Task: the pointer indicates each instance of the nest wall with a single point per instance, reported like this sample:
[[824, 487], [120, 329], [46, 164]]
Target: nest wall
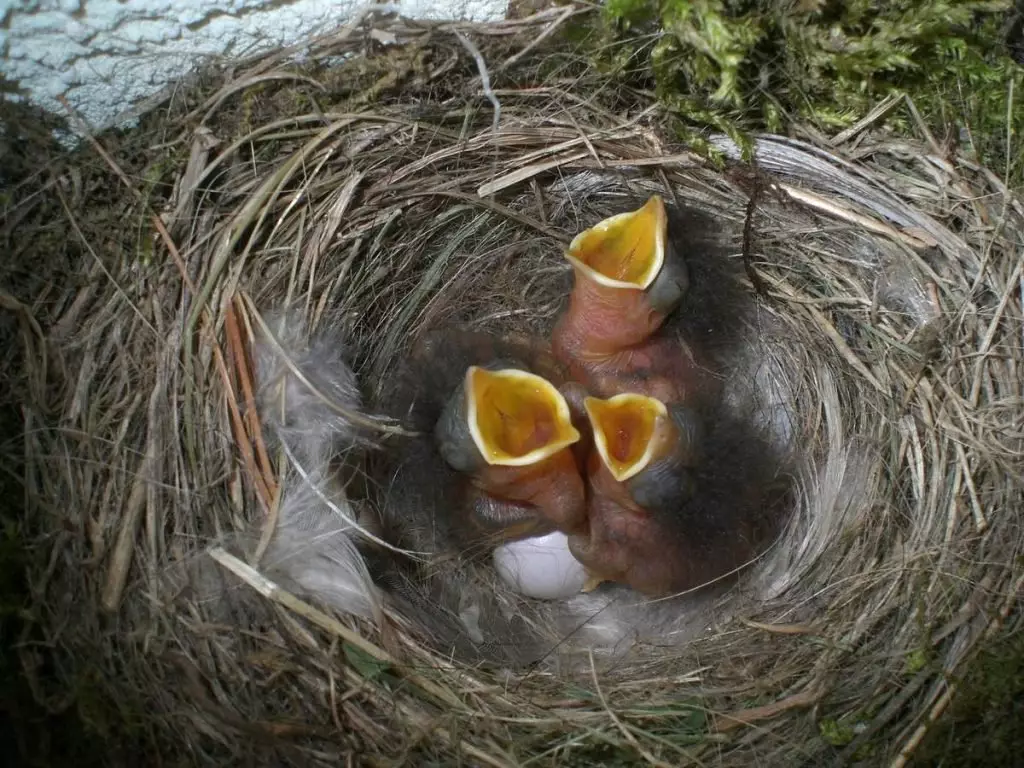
[[402, 176]]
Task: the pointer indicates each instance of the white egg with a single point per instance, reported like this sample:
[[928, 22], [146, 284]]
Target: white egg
[[541, 567]]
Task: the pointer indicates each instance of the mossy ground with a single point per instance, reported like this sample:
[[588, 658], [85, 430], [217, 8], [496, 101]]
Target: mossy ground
[[746, 65]]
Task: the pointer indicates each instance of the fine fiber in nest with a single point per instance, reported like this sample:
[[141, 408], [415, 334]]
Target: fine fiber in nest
[[240, 547]]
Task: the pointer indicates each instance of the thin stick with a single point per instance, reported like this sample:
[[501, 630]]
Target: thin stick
[[779, 629], [485, 77], [923, 126], [841, 212], [241, 438], [113, 281], [906, 753], [880, 110], [266, 470], [527, 172], [990, 334], [1009, 132], [140, 497], [980, 522], [121, 559], [843, 348], [273, 514], [727, 722], [244, 371]]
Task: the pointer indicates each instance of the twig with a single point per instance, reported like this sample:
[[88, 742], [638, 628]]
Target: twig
[[907, 751], [30, 330], [243, 368], [779, 629], [272, 591], [99, 262], [980, 523], [527, 172], [139, 498], [990, 333], [241, 438], [265, 478], [485, 77], [834, 209], [748, 232], [491, 205], [843, 348], [923, 126], [121, 559], [1010, 122], [880, 110]]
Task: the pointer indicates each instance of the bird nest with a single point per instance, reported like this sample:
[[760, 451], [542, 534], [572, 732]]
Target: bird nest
[[398, 177]]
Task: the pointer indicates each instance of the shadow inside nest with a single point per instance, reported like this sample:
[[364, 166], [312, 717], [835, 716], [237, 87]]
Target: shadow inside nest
[[744, 484]]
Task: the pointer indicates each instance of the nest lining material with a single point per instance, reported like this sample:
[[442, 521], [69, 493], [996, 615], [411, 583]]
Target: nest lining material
[[890, 316]]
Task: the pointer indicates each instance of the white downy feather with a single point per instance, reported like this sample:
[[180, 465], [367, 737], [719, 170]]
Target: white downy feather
[[313, 547]]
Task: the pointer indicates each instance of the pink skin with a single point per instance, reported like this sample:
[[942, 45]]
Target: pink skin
[[601, 321], [548, 494], [503, 519], [626, 544], [553, 486], [574, 394], [619, 541], [606, 338]]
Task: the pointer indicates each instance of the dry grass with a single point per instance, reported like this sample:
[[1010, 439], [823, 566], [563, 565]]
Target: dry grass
[[373, 191]]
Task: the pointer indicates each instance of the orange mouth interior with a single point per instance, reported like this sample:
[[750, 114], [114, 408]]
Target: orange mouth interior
[[625, 251], [517, 418], [625, 428]]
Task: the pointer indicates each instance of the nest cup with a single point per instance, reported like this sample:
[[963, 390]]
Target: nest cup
[[319, 215]]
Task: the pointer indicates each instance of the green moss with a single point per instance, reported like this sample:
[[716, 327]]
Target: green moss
[[746, 65], [836, 733], [916, 661]]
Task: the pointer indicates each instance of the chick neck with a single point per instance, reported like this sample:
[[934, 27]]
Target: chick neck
[[553, 487], [602, 321]]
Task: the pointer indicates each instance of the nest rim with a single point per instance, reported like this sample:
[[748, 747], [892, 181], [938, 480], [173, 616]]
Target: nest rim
[[121, 539]]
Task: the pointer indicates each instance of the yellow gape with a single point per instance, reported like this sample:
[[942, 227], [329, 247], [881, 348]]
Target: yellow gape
[[516, 418], [628, 431], [623, 251]]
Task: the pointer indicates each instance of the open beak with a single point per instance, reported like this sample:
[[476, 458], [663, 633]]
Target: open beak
[[623, 251], [627, 281], [634, 434], [510, 432], [630, 432], [516, 418]]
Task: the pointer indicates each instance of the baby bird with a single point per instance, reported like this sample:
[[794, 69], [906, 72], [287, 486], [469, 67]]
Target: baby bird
[[510, 431], [640, 471], [627, 280]]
